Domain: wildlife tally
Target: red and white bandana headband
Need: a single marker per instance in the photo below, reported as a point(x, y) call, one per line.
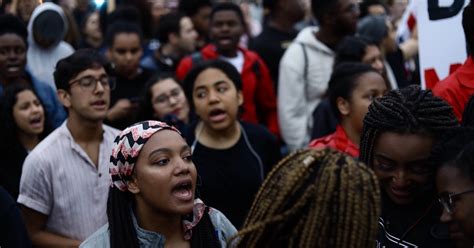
point(127, 147)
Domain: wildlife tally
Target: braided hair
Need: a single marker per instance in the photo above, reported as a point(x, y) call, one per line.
point(314, 198)
point(407, 111)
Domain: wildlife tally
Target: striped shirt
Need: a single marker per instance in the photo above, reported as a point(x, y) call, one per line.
point(60, 181)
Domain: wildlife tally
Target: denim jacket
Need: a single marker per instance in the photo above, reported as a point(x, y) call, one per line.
point(148, 239)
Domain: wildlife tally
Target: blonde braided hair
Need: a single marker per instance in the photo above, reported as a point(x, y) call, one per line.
point(314, 198)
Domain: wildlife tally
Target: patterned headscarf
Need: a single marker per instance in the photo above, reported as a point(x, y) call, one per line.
point(128, 145)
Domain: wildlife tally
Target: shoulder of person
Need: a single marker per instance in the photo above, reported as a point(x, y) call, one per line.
point(223, 226)
point(100, 238)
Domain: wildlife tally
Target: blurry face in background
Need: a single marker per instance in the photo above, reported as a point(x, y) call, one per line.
point(28, 113)
point(158, 9)
point(92, 27)
point(25, 8)
point(167, 97)
point(125, 53)
point(346, 16)
point(226, 30)
point(373, 57)
point(187, 35)
point(12, 56)
point(369, 86)
point(201, 20)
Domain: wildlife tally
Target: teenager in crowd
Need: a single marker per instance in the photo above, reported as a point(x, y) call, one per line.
point(164, 99)
point(13, 47)
point(90, 29)
point(232, 157)
point(152, 202)
point(314, 198)
point(199, 11)
point(351, 49)
point(64, 183)
point(227, 26)
point(352, 88)
point(455, 182)
point(124, 49)
point(24, 125)
point(397, 141)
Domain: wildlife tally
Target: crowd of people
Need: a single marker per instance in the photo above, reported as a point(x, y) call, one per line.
point(212, 123)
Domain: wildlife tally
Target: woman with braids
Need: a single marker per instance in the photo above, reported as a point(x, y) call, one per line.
point(351, 89)
point(151, 202)
point(399, 132)
point(314, 198)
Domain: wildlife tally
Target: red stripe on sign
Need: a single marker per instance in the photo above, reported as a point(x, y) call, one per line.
point(411, 22)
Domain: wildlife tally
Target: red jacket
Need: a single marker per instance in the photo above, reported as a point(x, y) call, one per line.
point(338, 141)
point(457, 87)
point(259, 96)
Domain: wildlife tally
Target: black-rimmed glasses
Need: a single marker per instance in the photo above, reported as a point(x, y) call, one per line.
point(88, 83)
point(447, 199)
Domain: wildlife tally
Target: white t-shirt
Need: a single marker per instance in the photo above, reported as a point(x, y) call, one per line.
point(237, 61)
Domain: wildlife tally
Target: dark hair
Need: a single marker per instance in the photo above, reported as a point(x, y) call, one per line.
point(468, 26)
point(224, 66)
point(10, 24)
point(191, 7)
point(81, 60)
point(169, 24)
point(366, 4)
point(352, 49)
point(122, 229)
point(146, 111)
point(410, 110)
point(373, 28)
point(124, 13)
point(320, 8)
point(228, 6)
point(120, 27)
point(9, 129)
point(343, 81)
point(456, 149)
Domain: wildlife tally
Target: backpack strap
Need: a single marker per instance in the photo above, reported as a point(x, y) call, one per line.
point(305, 56)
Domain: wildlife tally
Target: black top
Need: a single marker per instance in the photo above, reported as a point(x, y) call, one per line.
point(130, 89)
point(418, 225)
point(271, 44)
point(12, 229)
point(11, 167)
point(231, 177)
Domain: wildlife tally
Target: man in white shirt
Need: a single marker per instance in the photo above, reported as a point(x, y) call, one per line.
point(64, 183)
point(306, 67)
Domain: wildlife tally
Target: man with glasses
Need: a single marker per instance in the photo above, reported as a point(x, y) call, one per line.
point(455, 183)
point(64, 185)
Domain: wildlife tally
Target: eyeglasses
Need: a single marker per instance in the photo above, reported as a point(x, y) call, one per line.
point(165, 98)
point(88, 83)
point(447, 199)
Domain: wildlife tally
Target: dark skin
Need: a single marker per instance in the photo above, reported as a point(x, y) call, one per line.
point(286, 14)
point(338, 23)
